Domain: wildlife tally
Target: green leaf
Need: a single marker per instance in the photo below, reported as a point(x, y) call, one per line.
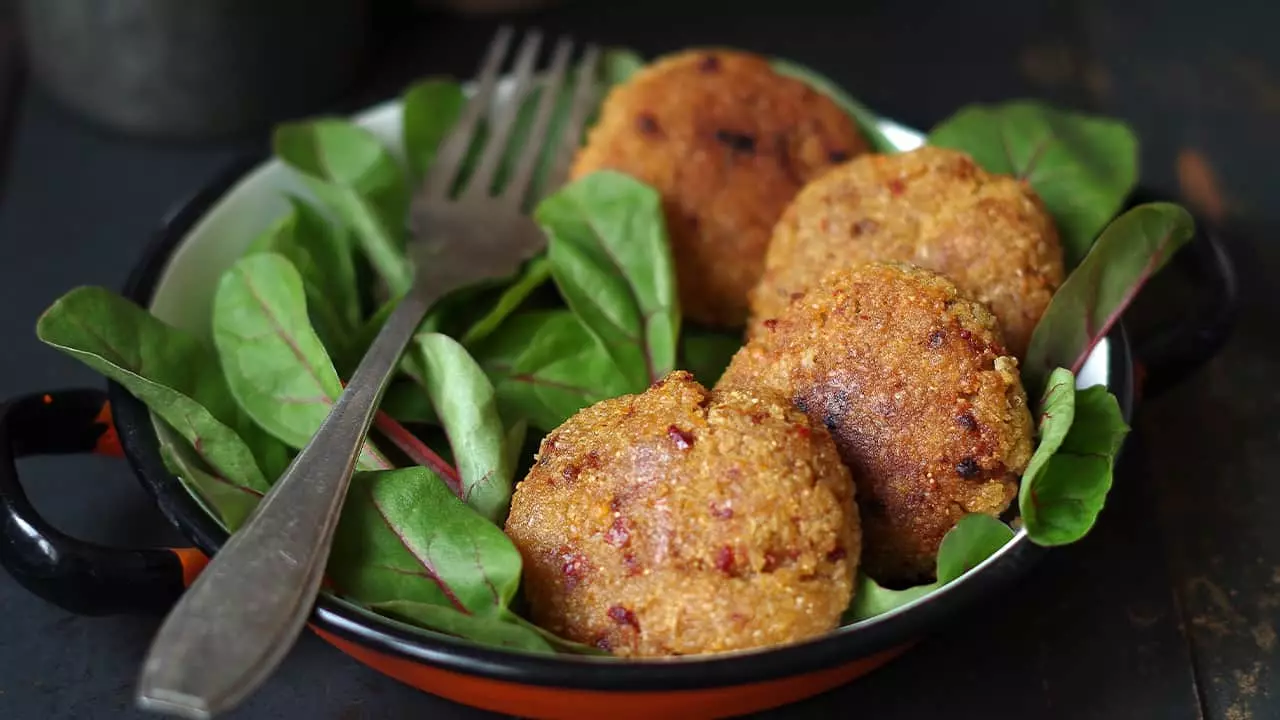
point(171, 371)
point(354, 175)
point(612, 263)
point(275, 365)
point(1061, 501)
point(546, 366)
point(1057, 410)
point(974, 538)
point(866, 120)
point(1130, 251)
point(1082, 166)
point(404, 537)
point(430, 109)
point(231, 502)
point(407, 401)
point(706, 352)
point(466, 404)
point(321, 252)
point(530, 279)
point(502, 631)
point(618, 65)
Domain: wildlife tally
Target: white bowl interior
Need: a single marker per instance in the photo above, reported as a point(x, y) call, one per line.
point(184, 294)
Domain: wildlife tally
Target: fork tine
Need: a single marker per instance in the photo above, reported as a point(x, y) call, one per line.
point(518, 186)
point(481, 182)
point(448, 161)
point(584, 96)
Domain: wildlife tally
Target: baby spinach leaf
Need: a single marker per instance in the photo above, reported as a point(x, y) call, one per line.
point(974, 538)
point(430, 109)
point(501, 631)
point(866, 120)
point(546, 366)
point(706, 352)
point(321, 252)
point(231, 503)
point(612, 263)
point(465, 402)
point(1082, 167)
point(404, 537)
point(1133, 248)
point(275, 365)
point(171, 371)
point(354, 175)
point(1066, 493)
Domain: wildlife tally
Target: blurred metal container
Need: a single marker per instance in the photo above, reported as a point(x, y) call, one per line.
point(194, 68)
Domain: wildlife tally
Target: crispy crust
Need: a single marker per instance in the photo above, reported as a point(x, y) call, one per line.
point(933, 208)
point(728, 143)
point(678, 521)
point(915, 385)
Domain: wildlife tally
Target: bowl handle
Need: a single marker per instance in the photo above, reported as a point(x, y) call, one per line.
point(1168, 356)
point(78, 576)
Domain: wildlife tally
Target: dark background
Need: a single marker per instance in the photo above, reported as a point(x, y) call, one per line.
point(1168, 610)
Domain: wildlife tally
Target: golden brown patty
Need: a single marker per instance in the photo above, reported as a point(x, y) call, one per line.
point(930, 207)
point(728, 143)
point(915, 385)
point(677, 522)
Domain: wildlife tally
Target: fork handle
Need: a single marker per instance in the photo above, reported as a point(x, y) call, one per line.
point(238, 620)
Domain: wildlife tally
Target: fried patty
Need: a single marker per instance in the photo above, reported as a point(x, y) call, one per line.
point(679, 521)
point(931, 207)
point(728, 143)
point(914, 382)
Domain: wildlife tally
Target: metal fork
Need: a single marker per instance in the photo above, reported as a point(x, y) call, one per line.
point(241, 616)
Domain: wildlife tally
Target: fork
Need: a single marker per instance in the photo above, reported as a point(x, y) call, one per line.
point(239, 619)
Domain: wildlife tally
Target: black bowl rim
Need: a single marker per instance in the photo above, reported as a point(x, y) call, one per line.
point(141, 447)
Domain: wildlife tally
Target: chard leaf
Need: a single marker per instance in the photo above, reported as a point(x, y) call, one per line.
point(612, 263)
point(1130, 251)
point(502, 631)
point(430, 109)
point(171, 371)
point(407, 401)
point(405, 537)
point(1057, 410)
point(354, 175)
point(618, 65)
point(973, 539)
point(1082, 167)
point(466, 404)
point(1060, 502)
point(321, 252)
point(545, 366)
point(530, 279)
point(866, 120)
point(706, 352)
point(231, 502)
point(275, 365)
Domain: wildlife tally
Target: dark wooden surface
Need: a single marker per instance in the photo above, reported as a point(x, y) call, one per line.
point(1169, 610)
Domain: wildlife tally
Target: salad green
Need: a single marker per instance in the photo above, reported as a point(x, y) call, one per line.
point(597, 316)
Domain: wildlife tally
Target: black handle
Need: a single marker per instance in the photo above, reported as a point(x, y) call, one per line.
point(1169, 355)
point(78, 576)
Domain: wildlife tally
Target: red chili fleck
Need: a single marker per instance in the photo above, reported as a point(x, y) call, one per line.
point(837, 554)
point(603, 643)
point(592, 460)
point(623, 616)
point(618, 535)
point(897, 187)
point(865, 226)
point(725, 560)
point(796, 296)
point(723, 510)
point(573, 565)
point(631, 564)
point(682, 438)
point(770, 324)
point(965, 334)
point(709, 64)
point(757, 418)
point(570, 473)
point(771, 561)
point(838, 156)
point(802, 431)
